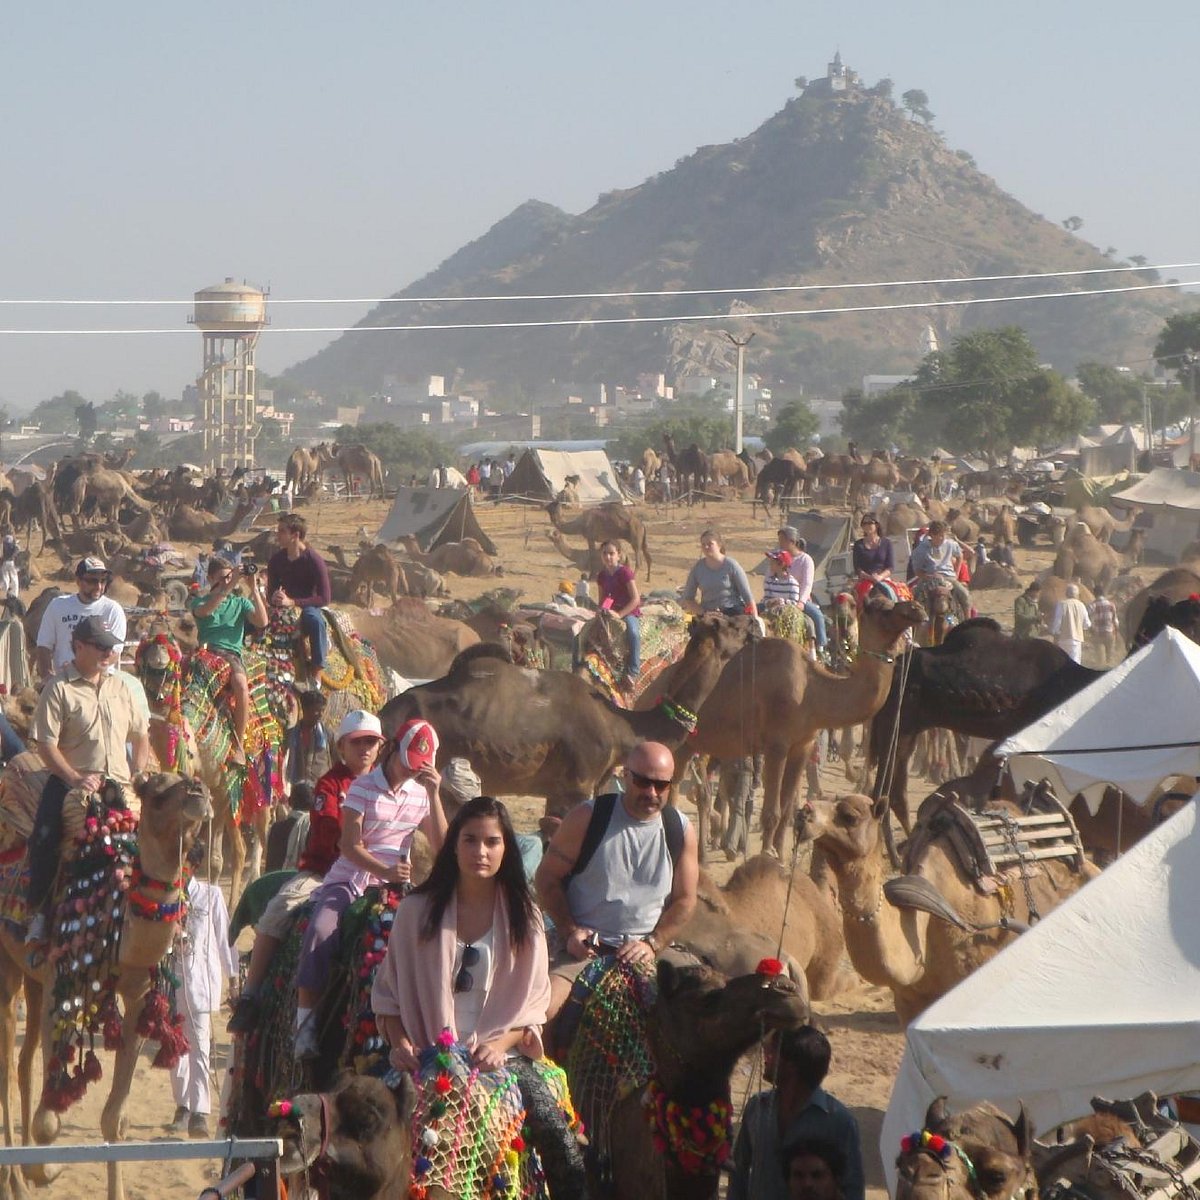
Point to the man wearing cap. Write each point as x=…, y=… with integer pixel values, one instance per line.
x=381, y=813
x=84, y=720
x=221, y=620
x=637, y=888
x=803, y=570
x=359, y=740
x=63, y=613
x=936, y=559
x=297, y=574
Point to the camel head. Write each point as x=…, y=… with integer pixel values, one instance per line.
x=361, y=1132
x=980, y=1155
x=713, y=639
x=705, y=1023
x=1183, y=615
x=173, y=809
x=18, y=708
x=884, y=623
x=846, y=827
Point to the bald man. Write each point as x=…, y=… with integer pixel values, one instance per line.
x=637, y=888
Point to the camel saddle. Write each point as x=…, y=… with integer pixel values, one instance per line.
x=990, y=840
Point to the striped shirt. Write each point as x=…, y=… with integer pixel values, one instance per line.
x=1103, y=613
x=390, y=817
x=783, y=588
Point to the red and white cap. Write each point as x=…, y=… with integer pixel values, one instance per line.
x=417, y=744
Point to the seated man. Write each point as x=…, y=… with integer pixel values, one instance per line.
x=625, y=887
x=297, y=574
x=935, y=561
x=221, y=620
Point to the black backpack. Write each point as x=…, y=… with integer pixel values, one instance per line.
x=602, y=811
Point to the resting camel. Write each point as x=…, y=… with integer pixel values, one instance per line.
x=188, y=524
x=586, y=562
x=547, y=733
x=772, y=700
x=920, y=957
x=606, y=522
x=466, y=557
x=172, y=810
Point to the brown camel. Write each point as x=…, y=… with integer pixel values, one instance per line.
x=373, y=567
x=1176, y=584
x=547, y=733
x=303, y=466
x=467, y=557
x=586, y=562
x=36, y=505
x=411, y=640
x=172, y=810
x=354, y=461
x=918, y=956
x=188, y=524
x=1054, y=589
x=606, y=522
x=878, y=471
x=994, y=576
x=726, y=466
x=1103, y=524
x=109, y=489
x=994, y=1159
x=737, y=925
x=1085, y=558
x=772, y=700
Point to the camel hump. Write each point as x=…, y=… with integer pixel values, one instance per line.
x=972, y=625
x=464, y=658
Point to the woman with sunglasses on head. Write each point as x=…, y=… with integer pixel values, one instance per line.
x=467, y=950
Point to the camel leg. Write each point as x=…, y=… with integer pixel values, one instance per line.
x=237, y=856
x=12, y=1181
x=789, y=794
x=34, y=998
x=112, y=1118
x=44, y=1126
x=773, y=765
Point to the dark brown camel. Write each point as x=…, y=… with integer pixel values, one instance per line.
x=1176, y=584
x=779, y=480
x=546, y=733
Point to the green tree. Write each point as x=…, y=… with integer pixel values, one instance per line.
x=917, y=103
x=801, y=82
x=795, y=424
x=57, y=415
x=153, y=405
x=1178, y=345
x=403, y=450
x=1118, y=394
x=706, y=423
x=149, y=450
x=883, y=88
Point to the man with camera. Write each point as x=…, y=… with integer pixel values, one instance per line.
x=221, y=619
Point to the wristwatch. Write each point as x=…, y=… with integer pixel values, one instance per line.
x=652, y=942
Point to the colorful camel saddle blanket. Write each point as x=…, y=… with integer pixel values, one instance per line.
x=471, y=1127
x=993, y=841
x=604, y=652
x=893, y=589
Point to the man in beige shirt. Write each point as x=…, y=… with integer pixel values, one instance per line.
x=84, y=721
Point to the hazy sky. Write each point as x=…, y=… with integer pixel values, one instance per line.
x=343, y=150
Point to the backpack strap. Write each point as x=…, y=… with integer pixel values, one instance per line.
x=673, y=828
x=602, y=811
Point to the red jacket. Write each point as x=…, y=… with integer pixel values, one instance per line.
x=324, y=843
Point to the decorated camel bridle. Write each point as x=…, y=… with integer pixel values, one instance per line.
x=943, y=1151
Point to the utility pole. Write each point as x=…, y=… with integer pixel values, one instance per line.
x=737, y=400
x=1192, y=362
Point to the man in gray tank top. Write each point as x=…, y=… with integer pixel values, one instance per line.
x=630, y=898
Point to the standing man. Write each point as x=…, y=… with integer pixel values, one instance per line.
x=636, y=889
x=84, y=720
x=1027, y=613
x=297, y=574
x=1070, y=622
x=803, y=570
x=63, y=613
x=1105, y=625
x=10, y=578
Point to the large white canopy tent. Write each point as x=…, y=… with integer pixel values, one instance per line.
x=1134, y=727
x=1101, y=998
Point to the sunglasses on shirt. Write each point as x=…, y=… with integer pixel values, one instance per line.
x=647, y=781
x=464, y=981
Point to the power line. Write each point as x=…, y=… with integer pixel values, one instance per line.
x=722, y=291
x=576, y=322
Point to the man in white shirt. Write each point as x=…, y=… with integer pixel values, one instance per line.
x=1070, y=622
x=803, y=570
x=63, y=613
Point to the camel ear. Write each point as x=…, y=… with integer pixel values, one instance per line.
x=1023, y=1128
x=405, y=1096
x=937, y=1115
x=880, y=806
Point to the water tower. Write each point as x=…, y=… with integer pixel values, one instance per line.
x=230, y=316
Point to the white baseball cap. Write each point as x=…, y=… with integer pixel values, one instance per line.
x=358, y=722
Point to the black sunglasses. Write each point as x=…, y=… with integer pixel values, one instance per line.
x=645, y=781
x=464, y=981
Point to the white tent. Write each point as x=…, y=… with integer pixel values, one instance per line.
x=1102, y=998
x=541, y=474
x=1134, y=727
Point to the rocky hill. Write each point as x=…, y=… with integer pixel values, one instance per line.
x=828, y=190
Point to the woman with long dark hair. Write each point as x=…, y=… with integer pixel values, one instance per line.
x=467, y=950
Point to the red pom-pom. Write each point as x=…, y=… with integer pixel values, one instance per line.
x=442, y=1084
x=770, y=967
x=937, y=1143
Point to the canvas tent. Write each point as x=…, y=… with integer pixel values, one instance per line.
x=1171, y=499
x=541, y=474
x=433, y=516
x=1134, y=727
x=1101, y=998
x=825, y=535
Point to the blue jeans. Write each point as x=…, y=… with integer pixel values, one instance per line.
x=312, y=627
x=10, y=744
x=633, y=627
x=818, y=619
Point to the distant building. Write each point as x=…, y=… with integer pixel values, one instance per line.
x=872, y=385
x=839, y=80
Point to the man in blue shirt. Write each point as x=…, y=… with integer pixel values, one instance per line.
x=797, y=1109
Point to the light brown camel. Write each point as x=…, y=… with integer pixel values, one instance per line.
x=1083, y=557
x=374, y=567
x=1103, y=524
x=586, y=562
x=466, y=557
x=1176, y=584
x=900, y=518
x=733, y=924
x=878, y=471
x=173, y=809
x=411, y=640
x=547, y=733
x=36, y=505
x=188, y=524
x=606, y=522
x=109, y=489
x=772, y=700
x=726, y=466
x=354, y=461
x=303, y=466
x=992, y=576
x=1004, y=525
x=918, y=956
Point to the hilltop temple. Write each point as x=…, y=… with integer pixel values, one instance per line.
x=839, y=79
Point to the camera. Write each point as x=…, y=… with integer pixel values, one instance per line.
x=250, y=568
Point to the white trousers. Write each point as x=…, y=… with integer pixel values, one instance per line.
x=9, y=579
x=1073, y=646
x=189, y=1077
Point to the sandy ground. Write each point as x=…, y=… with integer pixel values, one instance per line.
x=862, y=1027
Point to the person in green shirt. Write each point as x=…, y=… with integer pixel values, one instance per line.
x=1027, y=616
x=221, y=619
